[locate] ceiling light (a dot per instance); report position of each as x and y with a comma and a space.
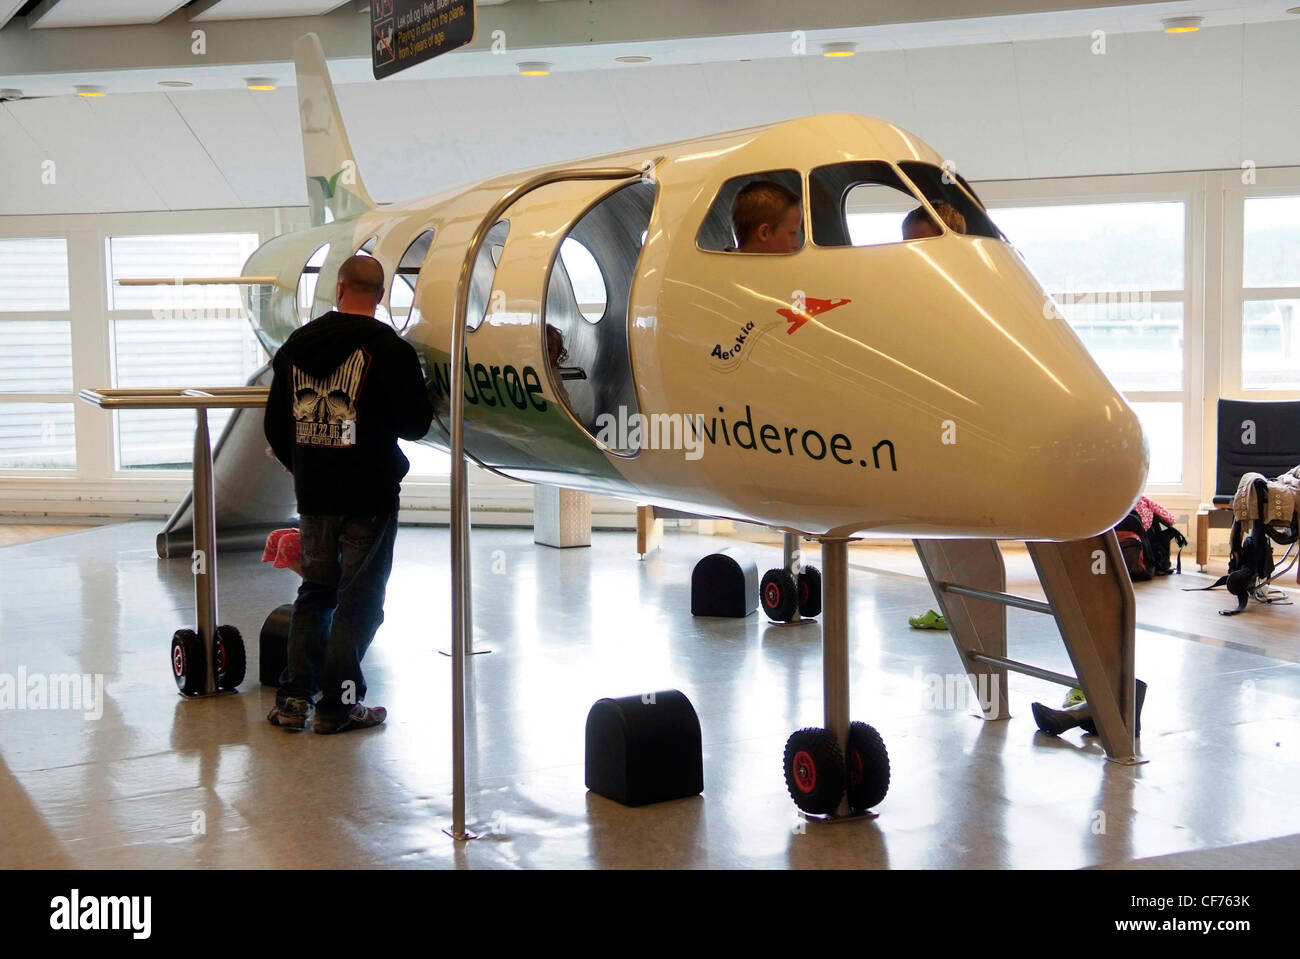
1182, 24
174, 83
260, 83
10, 93
634, 58
534, 68
839, 49
89, 90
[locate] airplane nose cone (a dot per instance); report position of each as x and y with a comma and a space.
1097, 461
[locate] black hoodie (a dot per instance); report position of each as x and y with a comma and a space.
345, 388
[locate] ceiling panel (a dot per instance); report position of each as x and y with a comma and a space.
260, 9
100, 13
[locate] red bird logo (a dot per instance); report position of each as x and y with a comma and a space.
812, 307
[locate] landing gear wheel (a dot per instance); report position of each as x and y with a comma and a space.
868, 767
779, 595
188, 667
814, 770
810, 592
232, 661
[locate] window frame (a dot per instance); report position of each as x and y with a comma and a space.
1185, 188
1268, 183
803, 210
37, 232
907, 187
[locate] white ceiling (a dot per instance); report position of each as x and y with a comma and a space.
100, 13
210, 10
683, 50
1035, 108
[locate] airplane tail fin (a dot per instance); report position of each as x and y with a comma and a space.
334, 187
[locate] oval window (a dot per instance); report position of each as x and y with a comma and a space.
307, 283
368, 249
586, 279
401, 297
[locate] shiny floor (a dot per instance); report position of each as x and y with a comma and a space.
158, 781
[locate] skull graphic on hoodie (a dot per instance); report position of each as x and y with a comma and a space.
325, 407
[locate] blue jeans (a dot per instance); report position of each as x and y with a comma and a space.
345, 565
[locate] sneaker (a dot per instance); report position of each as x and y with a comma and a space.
358, 717
292, 714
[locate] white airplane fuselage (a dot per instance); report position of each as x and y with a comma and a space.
918, 388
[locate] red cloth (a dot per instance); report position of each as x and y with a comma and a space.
284, 548
1147, 507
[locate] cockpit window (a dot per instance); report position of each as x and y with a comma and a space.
865, 203
755, 213
951, 199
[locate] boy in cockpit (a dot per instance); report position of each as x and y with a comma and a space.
766, 218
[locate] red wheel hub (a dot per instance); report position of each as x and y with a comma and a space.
221, 656
855, 767
772, 596
805, 772
178, 660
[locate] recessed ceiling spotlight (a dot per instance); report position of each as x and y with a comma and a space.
534, 68
11, 93
260, 83
839, 49
89, 90
174, 83
634, 58
1182, 24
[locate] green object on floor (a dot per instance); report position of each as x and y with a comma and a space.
927, 620
1073, 698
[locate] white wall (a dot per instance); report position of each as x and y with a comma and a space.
1040, 108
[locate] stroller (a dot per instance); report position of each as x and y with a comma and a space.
1269, 509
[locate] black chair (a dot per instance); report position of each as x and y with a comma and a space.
1276, 449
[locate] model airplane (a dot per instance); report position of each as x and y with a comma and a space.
861, 385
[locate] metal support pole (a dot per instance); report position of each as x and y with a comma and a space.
790, 546
1006, 599
205, 535
1028, 669
835, 646
461, 592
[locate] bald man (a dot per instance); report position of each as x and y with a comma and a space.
346, 387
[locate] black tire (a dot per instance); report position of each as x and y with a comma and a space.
188, 666
868, 768
778, 595
232, 659
814, 770
810, 592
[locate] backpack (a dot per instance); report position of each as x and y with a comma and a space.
1139, 558
1250, 559
1161, 536
1146, 551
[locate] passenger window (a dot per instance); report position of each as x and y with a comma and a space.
586, 279
950, 199
865, 203
485, 273
368, 249
756, 213
307, 283
401, 294
586, 339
